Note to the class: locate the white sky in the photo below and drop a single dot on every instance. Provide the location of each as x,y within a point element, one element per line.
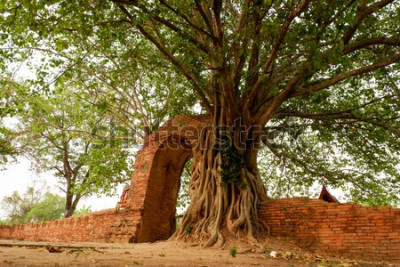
<point>18,176</point>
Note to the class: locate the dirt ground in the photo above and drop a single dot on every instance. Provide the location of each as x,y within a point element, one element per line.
<point>166,253</point>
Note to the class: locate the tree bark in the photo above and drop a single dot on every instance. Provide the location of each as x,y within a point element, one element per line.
<point>226,188</point>
<point>68,211</point>
<point>71,203</point>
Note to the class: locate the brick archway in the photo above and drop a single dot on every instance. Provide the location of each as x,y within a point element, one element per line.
<point>156,179</point>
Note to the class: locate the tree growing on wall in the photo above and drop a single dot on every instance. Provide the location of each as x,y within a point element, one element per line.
<point>248,60</point>
<point>265,71</point>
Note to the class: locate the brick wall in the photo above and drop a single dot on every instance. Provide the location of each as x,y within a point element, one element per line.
<point>102,226</point>
<point>348,230</point>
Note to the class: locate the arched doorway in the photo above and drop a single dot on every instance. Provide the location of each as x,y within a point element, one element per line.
<point>158,222</point>
<point>156,179</point>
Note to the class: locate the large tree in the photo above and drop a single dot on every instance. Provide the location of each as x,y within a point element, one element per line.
<point>69,135</point>
<point>68,132</point>
<point>323,69</point>
<point>247,60</point>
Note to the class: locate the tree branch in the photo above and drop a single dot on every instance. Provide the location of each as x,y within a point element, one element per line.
<point>197,28</point>
<point>192,79</point>
<point>254,90</point>
<point>393,41</point>
<point>322,84</point>
<point>174,28</point>
<point>205,15</point>
<point>268,109</point>
<point>363,12</point>
<point>216,22</point>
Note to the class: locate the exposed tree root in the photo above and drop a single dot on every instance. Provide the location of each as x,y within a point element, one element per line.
<point>219,209</point>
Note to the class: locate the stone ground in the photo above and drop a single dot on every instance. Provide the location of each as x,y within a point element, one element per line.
<point>166,253</point>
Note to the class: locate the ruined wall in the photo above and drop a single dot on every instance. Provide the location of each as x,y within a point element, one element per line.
<point>155,181</point>
<point>348,230</point>
<point>102,226</point>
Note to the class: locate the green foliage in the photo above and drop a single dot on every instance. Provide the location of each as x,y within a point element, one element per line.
<point>188,229</point>
<point>125,73</point>
<point>351,153</point>
<point>6,149</point>
<point>83,210</point>
<point>4,222</point>
<point>18,206</point>
<point>32,206</point>
<point>65,133</point>
<point>233,252</point>
<point>231,163</point>
<point>8,108</point>
<point>51,207</point>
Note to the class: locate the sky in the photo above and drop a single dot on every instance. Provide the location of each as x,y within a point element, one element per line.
<point>18,176</point>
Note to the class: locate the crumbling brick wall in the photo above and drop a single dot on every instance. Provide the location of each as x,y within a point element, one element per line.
<point>349,230</point>
<point>103,226</point>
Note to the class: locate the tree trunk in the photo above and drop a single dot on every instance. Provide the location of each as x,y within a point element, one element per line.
<point>68,206</point>
<point>225,186</point>
<point>71,204</point>
<point>68,213</point>
<point>69,210</point>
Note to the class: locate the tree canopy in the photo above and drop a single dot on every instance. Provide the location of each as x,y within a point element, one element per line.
<point>50,208</point>
<point>71,135</point>
<point>32,206</point>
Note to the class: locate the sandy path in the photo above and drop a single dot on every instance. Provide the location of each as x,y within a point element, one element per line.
<point>25,253</point>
